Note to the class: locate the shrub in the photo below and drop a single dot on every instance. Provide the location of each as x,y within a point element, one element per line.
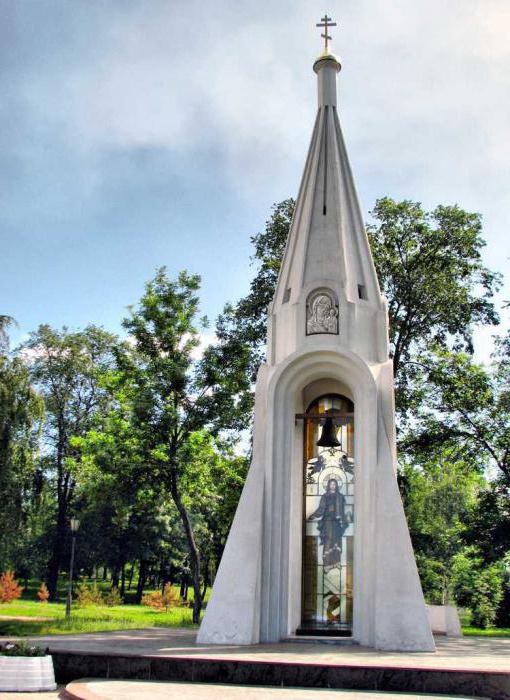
<point>9,587</point>
<point>478,586</point>
<point>162,601</point>
<point>503,614</point>
<point>153,600</point>
<point>113,598</point>
<point>21,649</point>
<point>487,595</point>
<point>170,596</point>
<point>43,593</point>
<point>88,595</point>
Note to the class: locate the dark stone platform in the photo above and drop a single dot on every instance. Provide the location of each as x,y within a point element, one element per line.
<point>492,684</point>
<point>468,666</point>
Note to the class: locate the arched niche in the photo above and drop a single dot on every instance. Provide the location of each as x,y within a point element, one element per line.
<point>328,514</point>
<point>292,388</point>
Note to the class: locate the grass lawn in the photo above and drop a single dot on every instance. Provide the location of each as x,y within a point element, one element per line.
<point>469,631</point>
<point>490,632</point>
<point>122,617</point>
<point>88,619</point>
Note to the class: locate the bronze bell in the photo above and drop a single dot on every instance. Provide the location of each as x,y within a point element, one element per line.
<point>328,437</point>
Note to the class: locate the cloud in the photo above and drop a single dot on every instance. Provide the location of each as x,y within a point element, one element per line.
<point>423,83</point>
<point>109,106</point>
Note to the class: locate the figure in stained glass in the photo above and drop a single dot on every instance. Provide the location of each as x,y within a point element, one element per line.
<point>332,524</point>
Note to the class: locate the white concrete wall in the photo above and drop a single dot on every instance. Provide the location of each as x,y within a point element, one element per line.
<point>232,615</point>
<point>444,619</point>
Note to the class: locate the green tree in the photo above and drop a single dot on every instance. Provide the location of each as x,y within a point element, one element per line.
<point>488,527</point>
<point>469,404</point>
<point>21,413</point>
<point>466,406</point>
<point>440,491</point>
<point>430,269</point>
<point>173,395</point>
<point>68,369</point>
<point>212,484</point>
<point>477,586</point>
<point>125,516</point>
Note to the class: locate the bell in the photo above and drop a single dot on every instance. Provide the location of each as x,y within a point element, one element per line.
<point>328,437</point>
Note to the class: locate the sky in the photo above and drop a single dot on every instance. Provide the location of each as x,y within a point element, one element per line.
<point>141,133</point>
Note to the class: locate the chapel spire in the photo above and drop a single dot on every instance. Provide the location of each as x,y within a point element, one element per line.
<point>327,244</point>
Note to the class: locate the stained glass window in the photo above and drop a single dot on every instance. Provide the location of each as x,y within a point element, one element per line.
<point>328,521</point>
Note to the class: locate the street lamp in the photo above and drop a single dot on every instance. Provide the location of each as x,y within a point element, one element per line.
<point>75,524</point>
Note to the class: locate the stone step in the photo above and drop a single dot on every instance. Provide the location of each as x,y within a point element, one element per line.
<point>99,689</point>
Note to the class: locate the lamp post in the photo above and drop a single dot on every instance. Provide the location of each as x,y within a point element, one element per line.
<point>75,524</point>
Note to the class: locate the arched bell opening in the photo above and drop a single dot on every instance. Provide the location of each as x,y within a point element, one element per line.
<point>328,517</point>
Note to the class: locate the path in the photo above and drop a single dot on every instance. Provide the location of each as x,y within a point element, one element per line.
<point>465,653</point>
<point>140,690</point>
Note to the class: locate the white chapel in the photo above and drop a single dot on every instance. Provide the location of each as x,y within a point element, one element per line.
<point>320,545</point>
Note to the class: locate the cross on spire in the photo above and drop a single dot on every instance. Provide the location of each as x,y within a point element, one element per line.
<point>326,23</point>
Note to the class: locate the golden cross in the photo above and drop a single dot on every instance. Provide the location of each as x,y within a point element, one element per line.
<point>326,23</point>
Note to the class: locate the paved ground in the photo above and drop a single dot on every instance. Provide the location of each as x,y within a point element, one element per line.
<point>50,695</point>
<point>140,690</point>
<point>466,653</point>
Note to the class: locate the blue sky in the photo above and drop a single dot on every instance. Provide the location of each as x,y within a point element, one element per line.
<point>141,133</point>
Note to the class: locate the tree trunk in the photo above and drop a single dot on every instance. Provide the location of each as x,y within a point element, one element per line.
<point>142,577</point>
<point>115,576</point>
<point>55,562</point>
<point>219,547</point>
<point>184,589</point>
<point>194,554</point>
<point>130,577</point>
<point>206,578</point>
<point>123,580</point>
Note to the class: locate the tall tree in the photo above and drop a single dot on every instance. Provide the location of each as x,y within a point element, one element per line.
<point>466,406</point>
<point>431,272</point>
<point>467,403</point>
<point>124,513</point>
<point>440,489</point>
<point>174,395</point>
<point>21,413</point>
<point>68,369</point>
<point>213,481</point>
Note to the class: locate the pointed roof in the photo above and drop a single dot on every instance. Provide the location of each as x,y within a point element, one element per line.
<point>327,241</point>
